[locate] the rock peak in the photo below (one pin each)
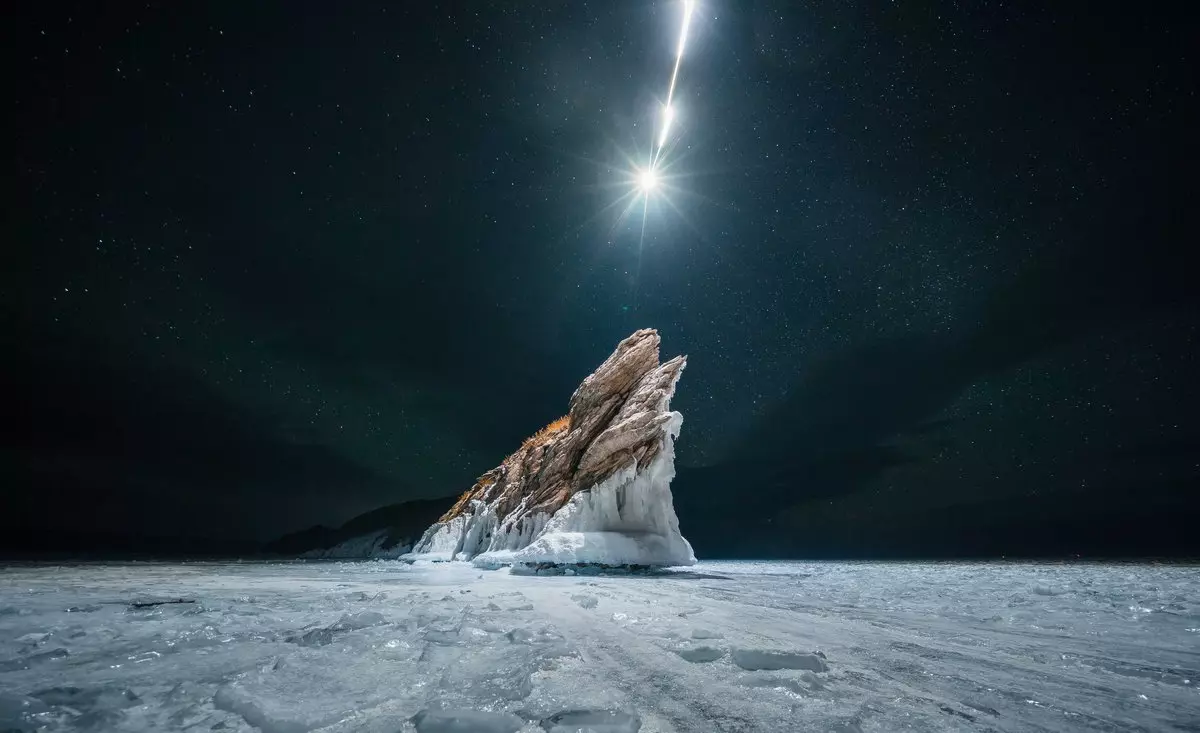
(591, 487)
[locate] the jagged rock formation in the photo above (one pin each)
(591, 487)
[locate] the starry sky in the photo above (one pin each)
(274, 264)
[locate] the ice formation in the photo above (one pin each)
(591, 488)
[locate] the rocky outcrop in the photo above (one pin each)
(385, 532)
(591, 487)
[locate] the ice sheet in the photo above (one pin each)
(387, 646)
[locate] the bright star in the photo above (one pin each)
(647, 180)
(651, 178)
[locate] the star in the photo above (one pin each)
(647, 181)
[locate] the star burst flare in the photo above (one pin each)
(651, 179)
(648, 177)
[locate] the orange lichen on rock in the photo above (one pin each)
(562, 424)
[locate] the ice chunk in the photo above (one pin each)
(264, 714)
(349, 622)
(314, 637)
(495, 674)
(706, 634)
(701, 654)
(592, 721)
(81, 699)
(97, 707)
(773, 682)
(360, 620)
(756, 659)
(465, 721)
(585, 601)
(541, 636)
(1046, 590)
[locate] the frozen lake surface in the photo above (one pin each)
(390, 647)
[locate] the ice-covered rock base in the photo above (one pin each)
(628, 520)
(593, 488)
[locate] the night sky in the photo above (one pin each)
(275, 264)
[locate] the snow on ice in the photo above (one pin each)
(389, 647)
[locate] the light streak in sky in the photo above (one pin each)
(668, 112)
(648, 181)
(651, 180)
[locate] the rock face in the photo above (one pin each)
(590, 487)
